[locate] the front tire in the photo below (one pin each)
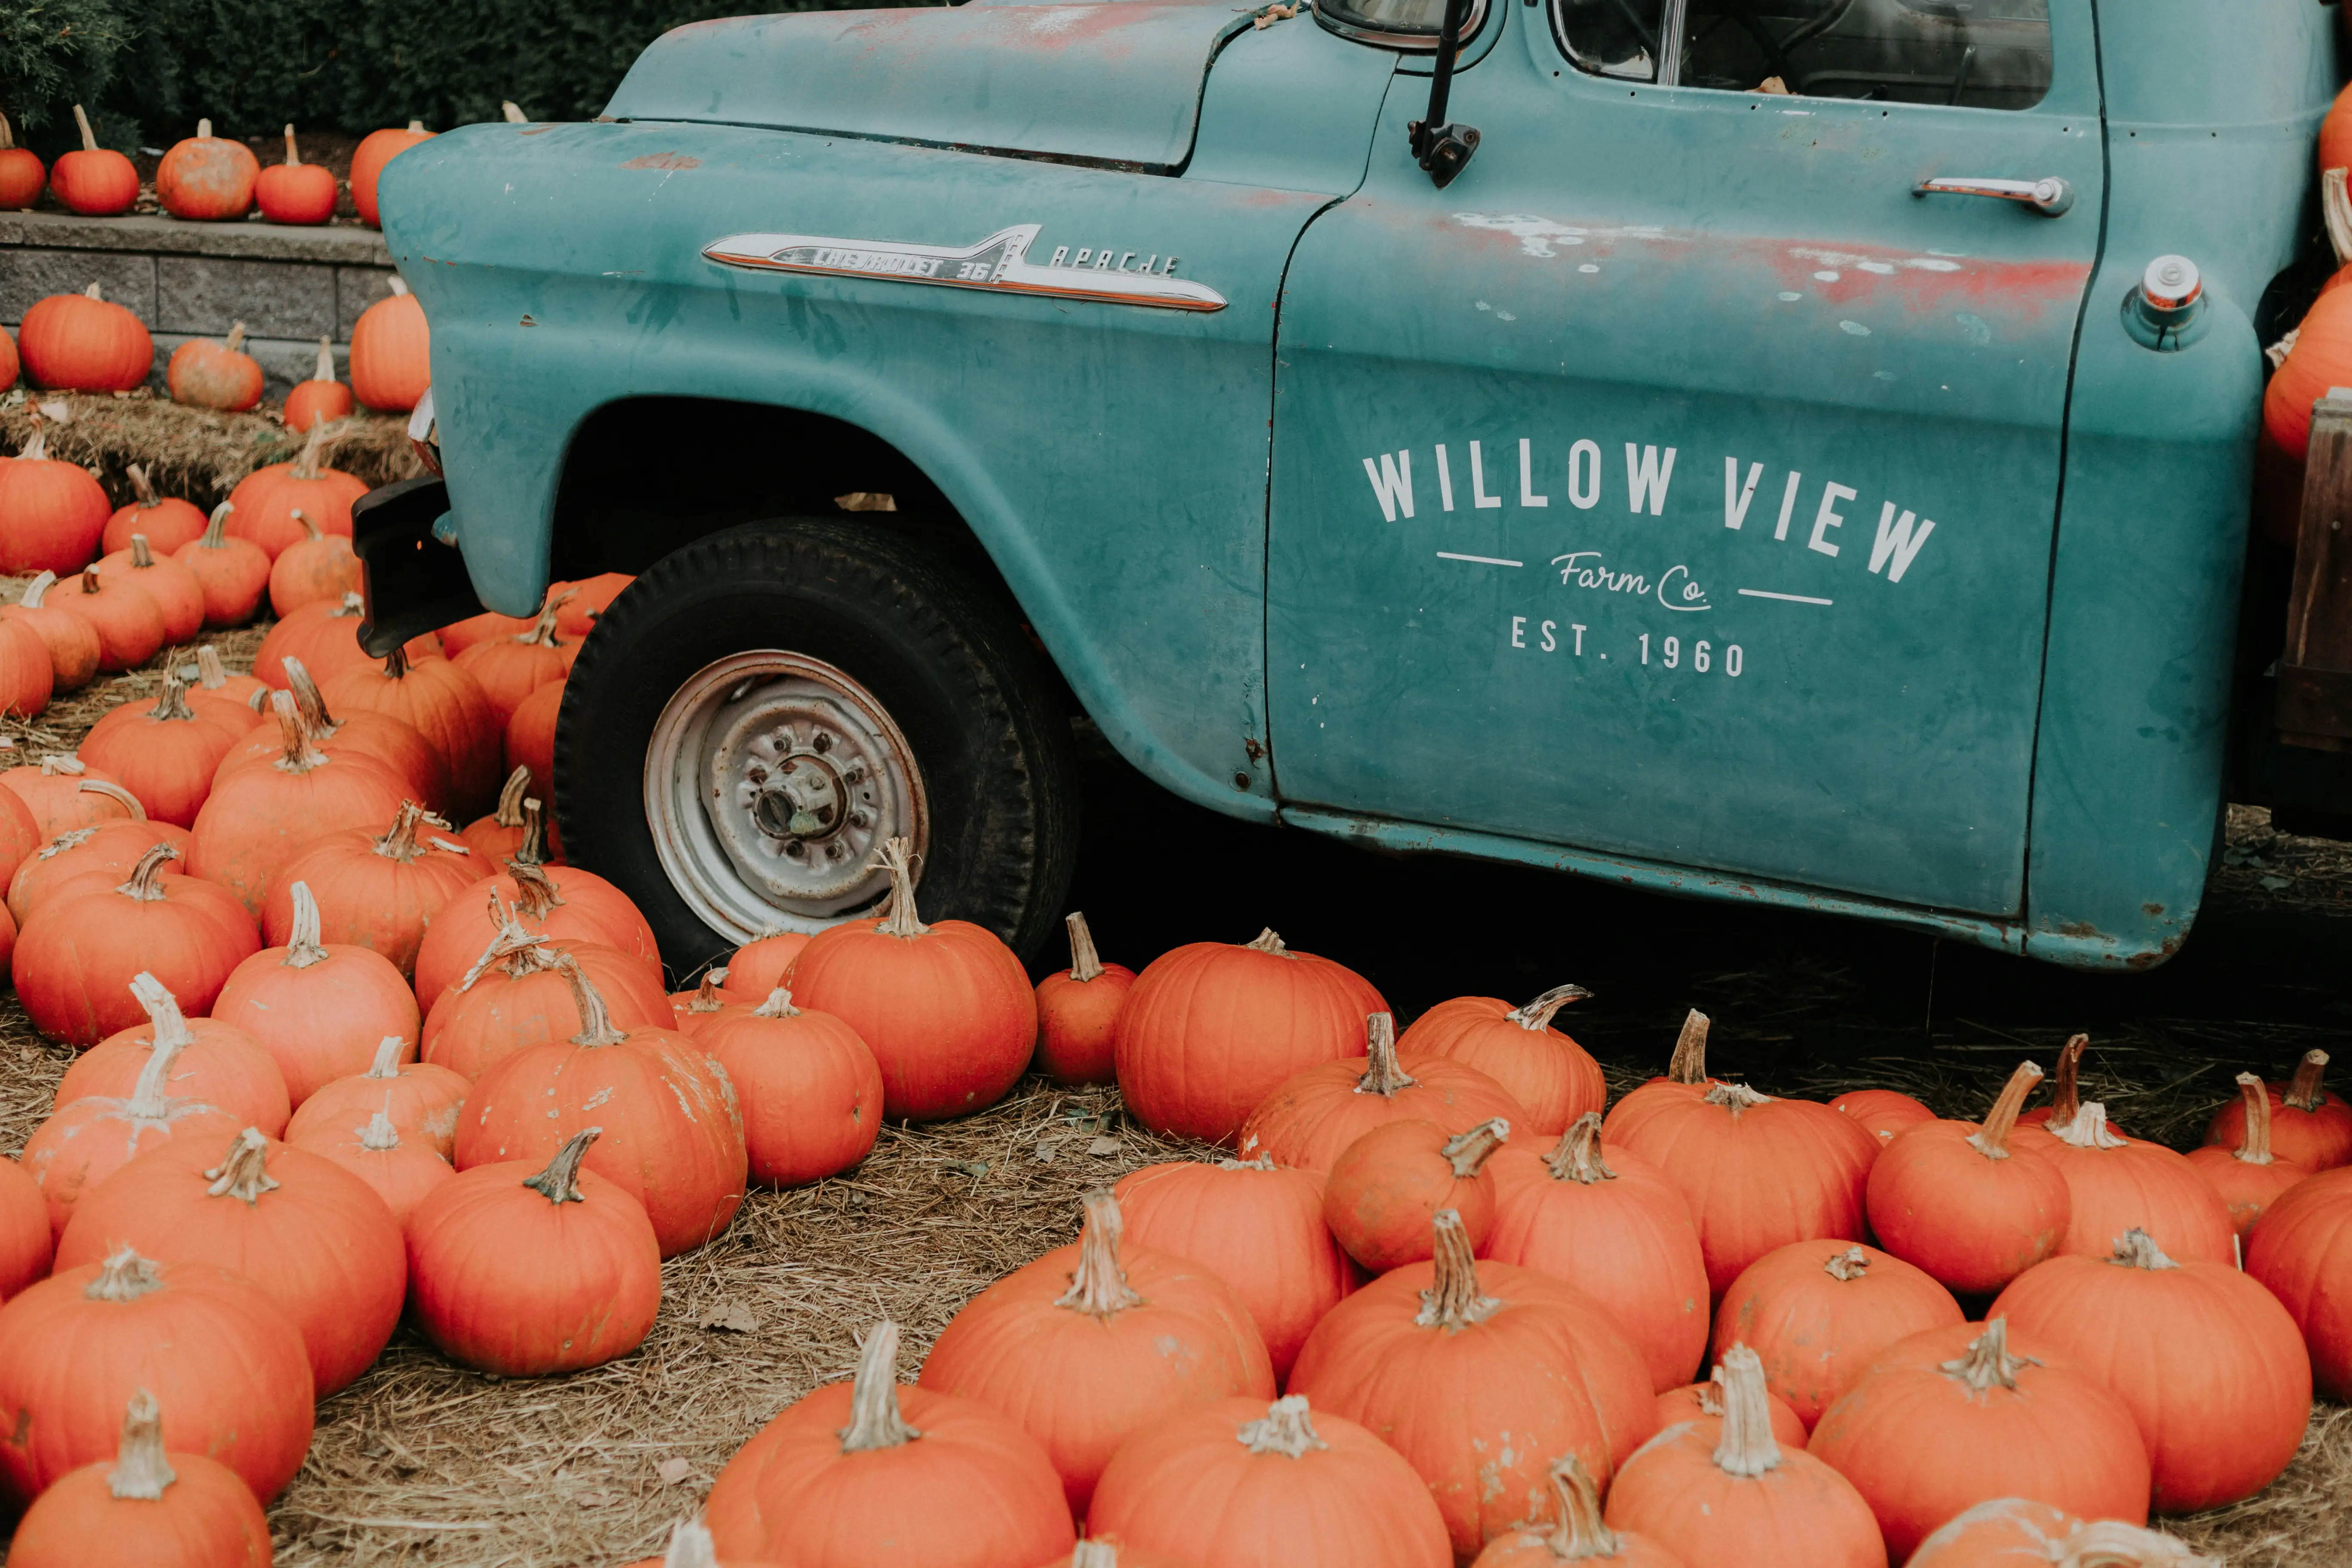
(760, 708)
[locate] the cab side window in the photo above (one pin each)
(1981, 54)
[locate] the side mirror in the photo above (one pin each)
(1441, 147)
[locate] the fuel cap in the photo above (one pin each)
(2171, 283)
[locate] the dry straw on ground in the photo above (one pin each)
(420, 1463)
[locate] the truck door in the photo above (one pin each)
(1679, 484)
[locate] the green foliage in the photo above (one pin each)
(55, 54)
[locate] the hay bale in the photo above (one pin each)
(196, 453)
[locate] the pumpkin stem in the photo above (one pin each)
(560, 1182)
(779, 1005)
(216, 536)
(89, 144)
(211, 673)
(243, 1173)
(297, 754)
(7, 135)
(875, 1420)
(2065, 1092)
(1689, 1064)
(532, 850)
(395, 664)
(2254, 1142)
(141, 1471)
(2135, 1249)
(124, 1276)
(1991, 1140)
(293, 153)
(1285, 1429)
(1987, 1364)
(1085, 963)
(596, 1020)
(142, 553)
(1385, 1074)
(303, 947)
(71, 838)
(236, 337)
(354, 604)
(522, 949)
(388, 1052)
(150, 1098)
(399, 841)
(1746, 1449)
(708, 997)
(542, 630)
(1266, 940)
(1577, 1156)
(310, 530)
(147, 876)
(90, 585)
(307, 695)
(690, 1546)
(173, 703)
(380, 1135)
(1736, 1098)
(139, 486)
(1468, 1153)
(325, 369)
(2089, 1129)
(53, 764)
(204, 130)
(306, 463)
(38, 588)
(536, 894)
(900, 919)
(37, 448)
(1094, 1554)
(510, 811)
(1536, 1015)
(1579, 1535)
(1453, 1301)
(1852, 1263)
(2112, 1543)
(2304, 1093)
(1099, 1285)
(115, 792)
(163, 1010)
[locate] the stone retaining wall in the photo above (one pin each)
(291, 286)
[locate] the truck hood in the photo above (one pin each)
(1113, 84)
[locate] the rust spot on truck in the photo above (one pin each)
(663, 160)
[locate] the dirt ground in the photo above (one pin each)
(421, 1463)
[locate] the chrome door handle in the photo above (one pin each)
(2049, 198)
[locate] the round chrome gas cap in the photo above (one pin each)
(2171, 283)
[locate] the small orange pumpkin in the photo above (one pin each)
(320, 566)
(321, 399)
(446, 706)
(1551, 1077)
(2115, 1184)
(112, 849)
(320, 1010)
(2301, 1252)
(296, 193)
(516, 995)
(420, 1099)
(176, 590)
(1882, 1111)
(23, 175)
(1386, 1188)
(130, 623)
(86, 1141)
(52, 514)
(2249, 1178)
(810, 1090)
(754, 969)
(1311, 1119)
(377, 148)
(96, 182)
(399, 1172)
(76, 957)
(206, 177)
(392, 353)
(165, 755)
(2309, 1125)
(562, 902)
(168, 522)
(1078, 1010)
(1973, 1207)
(203, 373)
(266, 500)
(705, 1004)
(263, 812)
(52, 791)
(1818, 1313)
(71, 640)
(376, 890)
(511, 668)
(231, 572)
(27, 675)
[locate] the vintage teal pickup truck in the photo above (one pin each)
(1799, 453)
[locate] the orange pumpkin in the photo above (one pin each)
(1210, 1028)
(207, 374)
(586, 601)
(2115, 1184)
(76, 957)
(318, 566)
(206, 177)
(1578, 1534)
(27, 1242)
(2007, 1532)
(392, 351)
(1093, 1342)
(1696, 1403)
(376, 890)
(1975, 1207)
(264, 502)
(1948, 1418)
(84, 342)
(231, 697)
(826, 1484)
(23, 175)
(2208, 1362)
(296, 193)
(51, 790)
(1817, 1313)
(810, 1090)
(1540, 1066)
(1758, 1173)
(1736, 1496)
(377, 148)
(144, 1507)
(389, 740)
(231, 573)
(510, 669)
(459, 636)
(2309, 1125)
(165, 755)
(1617, 1229)
(1077, 1011)
(523, 1272)
(401, 1174)
(178, 596)
(420, 1099)
(1386, 1187)
(28, 677)
(2249, 1178)
(518, 993)
(1257, 1226)
(20, 834)
(562, 903)
(444, 705)
(52, 514)
(130, 623)
(500, 836)
(760, 965)
(1311, 1119)
(1480, 1376)
(322, 399)
(530, 747)
(945, 1008)
(320, 1010)
(168, 522)
(71, 640)
(315, 1238)
(2321, 358)
(219, 1356)
(262, 814)
(1883, 1112)
(704, 1004)
(112, 849)
(2303, 1252)
(84, 1142)
(213, 1063)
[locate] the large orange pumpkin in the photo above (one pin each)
(27, 1242)
(420, 1099)
(1240, 1484)
(562, 903)
(376, 890)
(130, 622)
(1578, 1534)
(1481, 1376)
(1387, 1186)
(1077, 1011)
(1257, 1226)
(826, 1483)
(178, 597)
(810, 1089)
(1313, 1117)
(232, 572)
(672, 1138)
(442, 703)
(316, 1238)
(1758, 1173)
(1951, 1417)
(1539, 1066)
(76, 957)
(263, 812)
(221, 1359)
(1736, 1497)
(2208, 1362)
(52, 791)
(946, 1009)
(168, 522)
(322, 1010)
(2115, 1184)
(2309, 1125)
(1210, 1028)
(111, 848)
(164, 753)
(206, 177)
(207, 374)
(52, 514)
(523, 1272)
(392, 351)
(213, 1063)
(84, 343)
(2302, 1251)
(144, 1508)
(519, 994)
(265, 502)
(1817, 1313)
(1975, 1207)
(316, 566)
(2249, 1178)
(1617, 1229)
(1093, 1342)
(377, 148)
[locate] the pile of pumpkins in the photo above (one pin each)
(1441, 1304)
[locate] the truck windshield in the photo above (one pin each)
(1408, 23)
(1990, 54)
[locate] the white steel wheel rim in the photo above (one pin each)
(771, 781)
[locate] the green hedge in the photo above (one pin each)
(150, 68)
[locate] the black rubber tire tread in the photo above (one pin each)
(956, 672)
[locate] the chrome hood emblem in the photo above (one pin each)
(999, 262)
